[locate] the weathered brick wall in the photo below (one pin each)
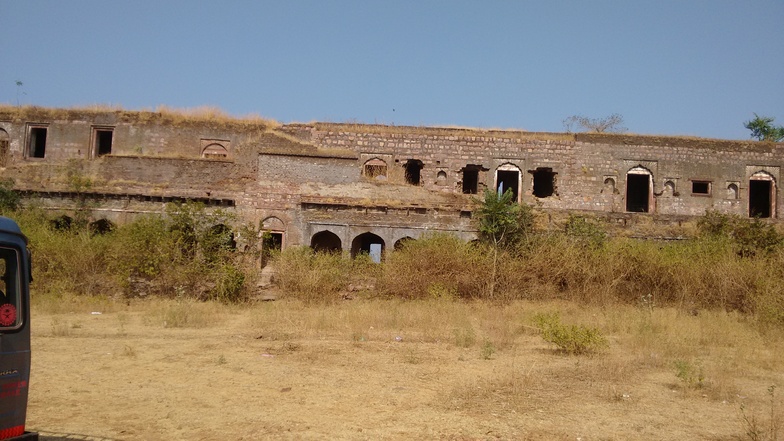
(581, 167)
(302, 179)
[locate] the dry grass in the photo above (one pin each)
(330, 369)
(162, 114)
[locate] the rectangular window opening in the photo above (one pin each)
(36, 147)
(103, 141)
(470, 180)
(544, 182)
(700, 187)
(414, 171)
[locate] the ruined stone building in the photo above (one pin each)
(356, 187)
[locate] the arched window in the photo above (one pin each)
(215, 151)
(326, 242)
(375, 169)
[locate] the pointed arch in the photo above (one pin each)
(326, 242)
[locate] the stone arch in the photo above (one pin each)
(369, 243)
(609, 185)
(639, 190)
(441, 177)
(733, 191)
(669, 188)
(400, 243)
(215, 151)
(101, 226)
(508, 176)
(273, 223)
(762, 195)
(5, 147)
(326, 242)
(375, 169)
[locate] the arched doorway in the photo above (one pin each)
(507, 176)
(368, 243)
(762, 195)
(639, 182)
(326, 242)
(272, 230)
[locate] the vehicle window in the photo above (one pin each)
(10, 295)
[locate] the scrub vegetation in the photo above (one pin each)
(486, 336)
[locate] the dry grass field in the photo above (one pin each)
(393, 369)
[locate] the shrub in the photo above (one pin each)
(435, 265)
(311, 276)
(9, 198)
(570, 339)
(585, 231)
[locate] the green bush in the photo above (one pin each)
(570, 339)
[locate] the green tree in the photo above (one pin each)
(502, 224)
(763, 129)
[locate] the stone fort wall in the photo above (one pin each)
(346, 185)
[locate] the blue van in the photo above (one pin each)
(15, 278)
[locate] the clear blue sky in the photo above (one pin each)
(677, 67)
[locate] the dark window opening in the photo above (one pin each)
(700, 187)
(414, 171)
(508, 180)
(465, 214)
(637, 193)
(326, 242)
(271, 243)
(37, 146)
(470, 179)
(760, 199)
(103, 142)
(368, 243)
(544, 182)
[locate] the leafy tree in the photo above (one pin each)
(763, 129)
(608, 124)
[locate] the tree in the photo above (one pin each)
(763, 129)
(608, 124)
(502, 224)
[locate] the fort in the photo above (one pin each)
(357, 187)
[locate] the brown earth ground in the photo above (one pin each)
(384, 369)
